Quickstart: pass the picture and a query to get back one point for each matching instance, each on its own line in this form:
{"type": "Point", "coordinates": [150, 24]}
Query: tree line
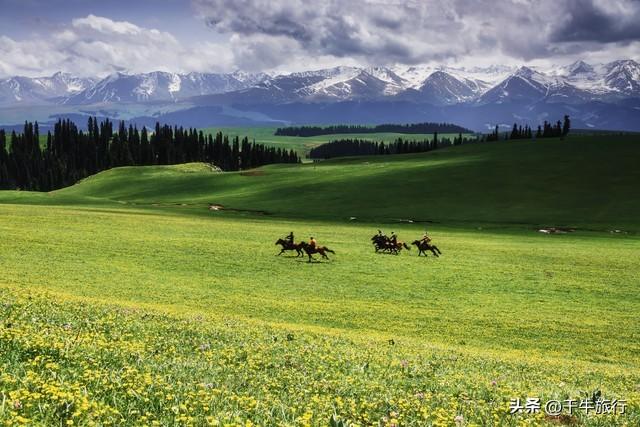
{"type": "Point", "coordinates": [71, 154]}
{"type": "Point", "coordinates": [414, 128]}
{"type": "Point", "coordinates": [362, 147]}
{"type": "Point", "coordinates": [546, 130]}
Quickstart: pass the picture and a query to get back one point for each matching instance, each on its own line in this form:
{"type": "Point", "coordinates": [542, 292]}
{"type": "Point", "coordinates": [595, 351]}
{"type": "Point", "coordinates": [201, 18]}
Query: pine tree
{"type": "Point", "coordinates": [566, 126]}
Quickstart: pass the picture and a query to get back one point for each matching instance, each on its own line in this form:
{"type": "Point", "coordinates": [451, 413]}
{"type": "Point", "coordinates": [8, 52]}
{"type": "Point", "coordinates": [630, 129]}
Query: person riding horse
{"type": "Point", "coordinates": [313, 248]}
{"type": "Point", "coordinates": [424, 244]}
{"type": "Point", "coordinates": [425, 238]}
{"type": "Point", "coordinates": [393, 239]}
{"type": "Point", "coordinates": [289, 237]}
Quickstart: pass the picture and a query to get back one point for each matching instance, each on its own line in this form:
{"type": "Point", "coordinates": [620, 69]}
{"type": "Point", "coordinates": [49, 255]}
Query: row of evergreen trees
{"type": "Point", "coordinates": [71, 154]}
{"type": "Point", "coordinates": [413, 128]}
{"type": "Point", "coordinates": [547, 130]}
{"type": "Point", "coordinates": [360, 147]}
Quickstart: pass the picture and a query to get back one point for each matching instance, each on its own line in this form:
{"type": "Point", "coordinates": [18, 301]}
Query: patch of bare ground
{"type": "Point", "coordinates": [556, 230]}
{"type": "Point", "coordinates": [218, 207]}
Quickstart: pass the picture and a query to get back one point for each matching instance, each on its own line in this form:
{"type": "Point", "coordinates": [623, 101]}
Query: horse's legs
{"type": "Point", "coordinates": [281, 252]}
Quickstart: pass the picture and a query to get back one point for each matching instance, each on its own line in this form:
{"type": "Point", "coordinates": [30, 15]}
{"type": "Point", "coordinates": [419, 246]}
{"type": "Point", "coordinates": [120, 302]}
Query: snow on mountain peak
{"type": "Point", "coordinates": [576, 82]}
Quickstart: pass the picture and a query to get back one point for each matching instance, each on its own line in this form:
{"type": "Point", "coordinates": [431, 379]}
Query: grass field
{"type": "Point", "coordinates": [126, 301]}
{"type": "Point", "coordinates": [265, 135]}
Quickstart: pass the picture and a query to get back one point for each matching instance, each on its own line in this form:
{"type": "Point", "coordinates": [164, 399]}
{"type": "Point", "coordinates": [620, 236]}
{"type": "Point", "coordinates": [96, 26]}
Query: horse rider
{"type": "Point", "coordinates": [312, 242]}
{"type": "Point", "coordinates": [425, 238]}
{"type": "Point", "coordinates": [289, 237]}
{"type": "Point", "coordinates": [393, 239]}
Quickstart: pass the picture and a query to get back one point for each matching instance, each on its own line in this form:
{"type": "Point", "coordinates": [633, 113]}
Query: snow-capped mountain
{"type": "Point", "coordinates": [445, 88]}
{"type": "Point", "coordinates": [575, 83]}
{"type": "Point", "coordinates": [26, 90]}
{"type": "Point", "coordinates": [605, 96]}
{"type": "Point", "coordinates": [162, 86]}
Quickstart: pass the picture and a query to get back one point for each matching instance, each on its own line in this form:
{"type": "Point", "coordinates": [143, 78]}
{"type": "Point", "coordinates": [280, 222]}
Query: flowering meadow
{"type": "Point", "coordinates": [70, 362]}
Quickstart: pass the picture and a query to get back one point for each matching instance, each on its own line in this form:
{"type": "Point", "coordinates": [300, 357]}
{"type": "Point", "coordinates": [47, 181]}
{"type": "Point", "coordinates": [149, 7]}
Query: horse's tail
{"type": "Point", "coordinates": [405, 246]}
{"type": "Point", "coordinates": [328, 250]}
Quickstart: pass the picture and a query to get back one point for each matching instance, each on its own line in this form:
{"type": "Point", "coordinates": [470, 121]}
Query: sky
{"type": "Point", "coordinates": [96, 38]}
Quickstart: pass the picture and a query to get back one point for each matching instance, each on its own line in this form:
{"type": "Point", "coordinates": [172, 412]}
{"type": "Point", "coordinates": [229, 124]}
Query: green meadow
{"type": "Point", "coordinates": [126, 300]}
{"type": "Point", "coordinates": [265, 135]}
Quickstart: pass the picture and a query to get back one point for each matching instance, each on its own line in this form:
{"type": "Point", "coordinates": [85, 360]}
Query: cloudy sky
{"type": "Point", "coordinates": [94, 38]}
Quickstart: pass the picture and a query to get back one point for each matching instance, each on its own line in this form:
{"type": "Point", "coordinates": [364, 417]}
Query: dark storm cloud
{"type": "Point", "coordinates": [417, 31]}
{"type": "Point", "coordinates": [601, 22]}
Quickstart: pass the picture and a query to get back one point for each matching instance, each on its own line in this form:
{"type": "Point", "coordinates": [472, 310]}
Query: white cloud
{"type": "Point", "coordinates": [294, 35]}
{"type": "Point", "coordinates": [95, 46]}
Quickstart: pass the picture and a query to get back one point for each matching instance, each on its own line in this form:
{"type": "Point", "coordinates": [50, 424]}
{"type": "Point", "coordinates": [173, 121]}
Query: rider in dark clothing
{"type": "Point", "coordinates": [393, 239]}
{"type": "Point", "coordinates": [289, 238]}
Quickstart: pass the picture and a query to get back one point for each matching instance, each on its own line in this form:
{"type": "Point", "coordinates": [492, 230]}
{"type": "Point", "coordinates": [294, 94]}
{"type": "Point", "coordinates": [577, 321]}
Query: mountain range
{"type": "Point", "coordinates": [605, 96]}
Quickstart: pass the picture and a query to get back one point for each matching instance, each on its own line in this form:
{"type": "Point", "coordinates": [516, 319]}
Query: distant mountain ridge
{"type": "Point", "coordinates": [580, 89]}
{"type": "Point", "coordinates": [439, 85]}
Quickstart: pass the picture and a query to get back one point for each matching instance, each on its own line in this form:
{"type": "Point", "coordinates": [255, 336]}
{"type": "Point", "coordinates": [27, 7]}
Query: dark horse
{"type": "Point", "coordinates": [384, 244]}
{"type": "Point", "coordinates": [310, 250]}
{"type": "Point", "coordinates": [424, 246]}
{"type": "Point", "coordinates": [379, 242]}
{"type": "Point", "coordinates": [288, 246]}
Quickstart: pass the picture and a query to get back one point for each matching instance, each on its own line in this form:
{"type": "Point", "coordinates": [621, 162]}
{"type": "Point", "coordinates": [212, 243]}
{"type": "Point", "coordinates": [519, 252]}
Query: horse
{"type": "Point", "coordinates": [380, 242]}
{"type": "Point", "coordinates": [384, 244]}
{"type": "Point", "coordinates": [310, 250]}
{"type": "Point", "coordinates": [425, 246]}
{"type": "Point", "coordinates": [289, 246]}
{"type": "Point", "coordinates": [396, 247]}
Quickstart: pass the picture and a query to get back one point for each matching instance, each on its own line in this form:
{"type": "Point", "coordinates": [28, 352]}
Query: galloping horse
{"type": "Point", "coordinates": [288, 246]}
{"type": "Point", "coordinates": [310, 250]}
{"type": "Point", "coordinates": [424, 246]}
{"type": "Point", "coordinates": [395, 248]}
{"type": "Point", "coordinates": [379, 242]}
{"type": "Point", "coordinates": [384, 244]}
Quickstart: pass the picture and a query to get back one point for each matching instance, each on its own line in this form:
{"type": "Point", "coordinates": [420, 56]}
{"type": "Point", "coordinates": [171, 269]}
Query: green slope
{"type": "Point", "coordinates": [265, 135]}
{"type": "Point", "coordinates": [582, 181]}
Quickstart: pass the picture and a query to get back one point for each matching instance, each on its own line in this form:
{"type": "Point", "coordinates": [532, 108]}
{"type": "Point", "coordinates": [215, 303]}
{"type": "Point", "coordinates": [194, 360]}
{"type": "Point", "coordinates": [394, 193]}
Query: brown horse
{"type": "Point", "coordinates": [310, 250]}
{"type": "Point", "coordinates": [396, 247]}
{"type": "Point", "coordinates": [424, 246]}
{"type": "Point", "coordinates": [288, 246]}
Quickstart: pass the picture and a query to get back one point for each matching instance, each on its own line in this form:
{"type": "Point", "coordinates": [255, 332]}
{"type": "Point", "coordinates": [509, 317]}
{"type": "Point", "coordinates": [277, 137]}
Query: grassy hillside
{"type": "Point", "coordinates": [125, 301]}
{"type": "Point", "coordinates": [582, 181]}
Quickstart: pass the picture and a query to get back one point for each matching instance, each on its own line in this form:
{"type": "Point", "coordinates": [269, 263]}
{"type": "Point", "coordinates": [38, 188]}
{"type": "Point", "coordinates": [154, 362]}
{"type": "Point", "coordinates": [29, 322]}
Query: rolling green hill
{"type": "Point", "coordinates": [126, 301]}
{"type": "Point", "coordinates": [583, 181]}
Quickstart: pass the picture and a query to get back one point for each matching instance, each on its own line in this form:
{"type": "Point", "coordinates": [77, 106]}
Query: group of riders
{"type": "Point", "coordinates": [391, 244]}
{"type": "Point", "coordinates": [311, 247]}
{"type": "Point", "coordinates": [381, 242]}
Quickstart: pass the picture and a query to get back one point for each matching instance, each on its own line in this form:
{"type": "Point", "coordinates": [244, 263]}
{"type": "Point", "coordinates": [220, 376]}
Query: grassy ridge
{"type": "Point", "coordinates": [583, 181]}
